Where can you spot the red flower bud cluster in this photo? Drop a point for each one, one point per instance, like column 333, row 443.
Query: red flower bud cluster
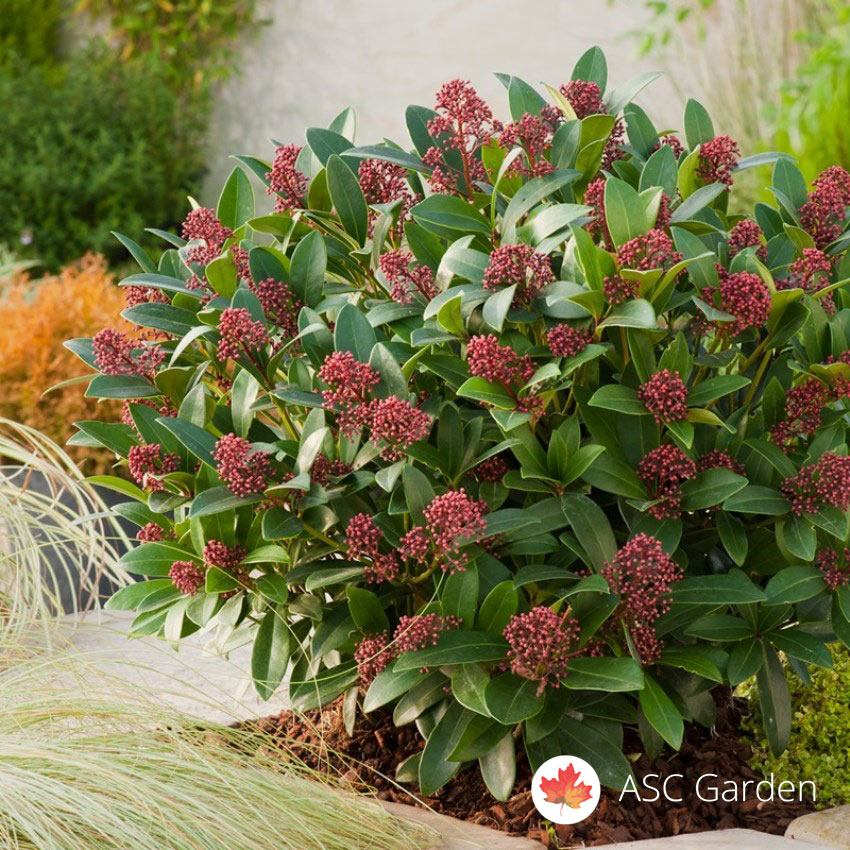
column 824, row 214
column 362, row 537
column 803, row 406
column 349, row 385
column 747, row 234
column 533, row 133
column 349, row 381
column 542, row 643
column 285, row 180
column 520, row 265
column 665, row 396
column 663, row 217
column 823, row 483
column 146, row 463
column 166, row 408
column 810, row 272
column 383, row 568
column 396, row 423
column 594, row 196
column 115, row 354
column 454, row 517
column 324, row 469
column 153, row 533
column 239, row 333
column 834, row 566
column 642, row 574
column 187, row 577
column 421, row 631
column 663, row 471
column 745, row 296
column 245, row 471
column 451, row 521
column 585, row 97
column 406, row 280
column 566, row 341
column 652, row 250
column 383, row 182
column 487, row 359
column 219, row 554
column 617, row 289
column 375, row 652
column 718, row 459
column 202, row 223
column 135, row 295
column 500, row 363
column 415, row 544
column 464, row 122
column 372, row 655
column 494, row 469
column 672, row 142
column 280, row 304
column 717, row 160
column 242, row 261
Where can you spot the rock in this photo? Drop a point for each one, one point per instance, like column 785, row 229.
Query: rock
column 829, row 828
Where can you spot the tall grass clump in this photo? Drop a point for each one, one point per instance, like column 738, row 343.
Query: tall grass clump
column 85, row 765
column 57, row 541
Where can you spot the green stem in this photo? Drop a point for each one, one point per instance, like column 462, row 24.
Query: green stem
column 314, row 532
column 757, row 379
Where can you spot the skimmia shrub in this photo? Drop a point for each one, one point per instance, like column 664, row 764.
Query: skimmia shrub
column 514, row 430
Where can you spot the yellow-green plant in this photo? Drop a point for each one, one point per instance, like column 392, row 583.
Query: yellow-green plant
column 819, row 747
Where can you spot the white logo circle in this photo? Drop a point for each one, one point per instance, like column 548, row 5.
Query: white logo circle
column 565, row 789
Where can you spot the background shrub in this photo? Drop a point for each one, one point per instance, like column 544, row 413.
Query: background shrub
column 819, row 749
column 92, row 147
column 194, row 40
column 29, row 32
column 38, row 316
column 110, row 135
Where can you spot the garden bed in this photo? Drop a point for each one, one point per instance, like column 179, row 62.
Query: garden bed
column 370, row 756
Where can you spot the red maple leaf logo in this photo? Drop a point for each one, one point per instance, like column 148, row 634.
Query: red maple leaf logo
column 565, row 789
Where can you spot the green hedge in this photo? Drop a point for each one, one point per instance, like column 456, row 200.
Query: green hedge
column 93, row 147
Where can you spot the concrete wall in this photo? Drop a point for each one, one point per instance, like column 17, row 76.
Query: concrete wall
column 316, row 57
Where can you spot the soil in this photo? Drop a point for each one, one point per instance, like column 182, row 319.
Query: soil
column 370, row 756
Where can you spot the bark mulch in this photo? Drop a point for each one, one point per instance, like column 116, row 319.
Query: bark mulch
column 369, row 757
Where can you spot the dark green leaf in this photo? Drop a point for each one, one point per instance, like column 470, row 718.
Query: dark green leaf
column 698, row 126
column 348, row 199
column 604, row 674
column 236, row 202
column 307, row 269
column 354, row 333
column 510, row 698
column 775, row 700
column 662, row 713
column 460, row 647
column 710, row 488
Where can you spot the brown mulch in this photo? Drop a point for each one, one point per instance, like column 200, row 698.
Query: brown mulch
column 377, row 746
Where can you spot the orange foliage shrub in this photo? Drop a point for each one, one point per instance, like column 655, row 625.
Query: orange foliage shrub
column 37, row 317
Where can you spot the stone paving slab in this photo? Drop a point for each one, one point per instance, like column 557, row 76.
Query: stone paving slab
column 829, row 828
column 192, row 680
column 724, row 839
column 458, row 835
